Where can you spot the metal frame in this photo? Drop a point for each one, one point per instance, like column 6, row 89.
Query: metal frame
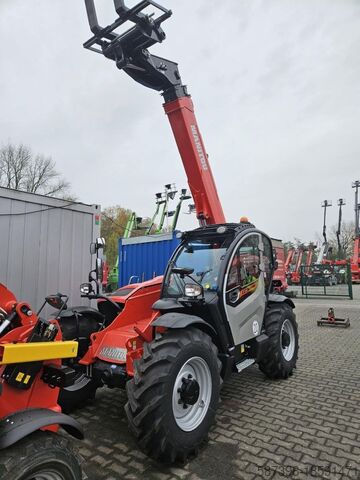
column 323, row 290
column 11, row 353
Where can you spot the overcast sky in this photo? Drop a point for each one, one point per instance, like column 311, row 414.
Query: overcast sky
column 276, row 87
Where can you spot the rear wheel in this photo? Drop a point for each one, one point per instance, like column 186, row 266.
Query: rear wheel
column 78, row 324
column 41, row 456
column 174, row 394
column 281, row 327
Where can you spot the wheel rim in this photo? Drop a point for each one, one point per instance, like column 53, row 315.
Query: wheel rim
column 287, row 337
column 46, row 475
column 192, row 394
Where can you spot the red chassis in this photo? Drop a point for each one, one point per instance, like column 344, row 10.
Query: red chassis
column 40, row 395
column 28, row 392
column 122, row 341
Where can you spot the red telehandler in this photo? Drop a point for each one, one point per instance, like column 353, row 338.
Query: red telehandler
column 279, row 281
column 293, row 272
column 355, row 261
column 171, row 342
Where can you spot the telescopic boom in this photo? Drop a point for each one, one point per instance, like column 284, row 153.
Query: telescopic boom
column 129, row 50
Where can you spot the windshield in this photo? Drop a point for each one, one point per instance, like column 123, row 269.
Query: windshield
column 204, row 256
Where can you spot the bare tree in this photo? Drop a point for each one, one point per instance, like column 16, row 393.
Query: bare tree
column 346, row 240
column 113, row 222
column 21, row 170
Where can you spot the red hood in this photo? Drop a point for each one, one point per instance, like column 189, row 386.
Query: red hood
column 7, row 299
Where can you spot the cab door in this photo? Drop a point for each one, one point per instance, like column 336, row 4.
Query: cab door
column 246, row 282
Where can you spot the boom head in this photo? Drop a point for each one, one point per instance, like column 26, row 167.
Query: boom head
column 325, row 204
column 129, row 49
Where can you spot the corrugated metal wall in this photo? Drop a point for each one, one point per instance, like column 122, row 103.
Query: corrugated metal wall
column 45, row 245
column 145, row 257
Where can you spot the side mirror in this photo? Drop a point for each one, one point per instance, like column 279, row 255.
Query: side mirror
column 182, row 271
column 56, row 301
column 86, row 288
column 99, row 269
column 97, row 245
column 100, row 243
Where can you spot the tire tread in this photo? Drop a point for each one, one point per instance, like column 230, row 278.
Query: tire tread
column 146, row 393
column 273, row 365
column 11, row 458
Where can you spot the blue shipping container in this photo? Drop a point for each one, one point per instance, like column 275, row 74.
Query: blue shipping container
column 143, row 258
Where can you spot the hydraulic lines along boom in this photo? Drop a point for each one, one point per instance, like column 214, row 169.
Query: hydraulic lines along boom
column 130, row 52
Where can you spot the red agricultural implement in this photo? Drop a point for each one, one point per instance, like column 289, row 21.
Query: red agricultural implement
column 32, row 373
column 332, row 321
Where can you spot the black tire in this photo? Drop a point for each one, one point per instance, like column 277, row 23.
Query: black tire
column 78, row 323
column 275, row 365
column 39, row 454
column 72, row 397
column 150, row 394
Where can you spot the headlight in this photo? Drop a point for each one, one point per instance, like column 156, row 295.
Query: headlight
column 192, row 290
column 85, row 288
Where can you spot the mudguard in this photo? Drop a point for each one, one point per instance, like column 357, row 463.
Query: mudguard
column 183, row 320
column 275, row 298
column 20, row 424
column 82, row 310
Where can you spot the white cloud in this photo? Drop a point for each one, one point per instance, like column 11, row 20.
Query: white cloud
column 275, row 85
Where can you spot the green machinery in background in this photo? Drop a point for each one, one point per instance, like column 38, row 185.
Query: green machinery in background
column 162, row 202
column 134, row 223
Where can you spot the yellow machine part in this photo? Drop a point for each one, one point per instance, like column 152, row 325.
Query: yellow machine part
column 36, row 352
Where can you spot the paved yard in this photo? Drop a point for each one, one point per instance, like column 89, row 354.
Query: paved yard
column 304, row 427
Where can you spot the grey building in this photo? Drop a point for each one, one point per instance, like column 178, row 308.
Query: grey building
column 45, row 245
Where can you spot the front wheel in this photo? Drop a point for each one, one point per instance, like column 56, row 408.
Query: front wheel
column 174, row 394
column 41, row 456
column 282, row 330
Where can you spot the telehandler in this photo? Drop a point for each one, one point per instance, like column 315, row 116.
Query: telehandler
column 172, row 341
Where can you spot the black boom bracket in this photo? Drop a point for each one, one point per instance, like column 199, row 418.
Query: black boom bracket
column 129, row 49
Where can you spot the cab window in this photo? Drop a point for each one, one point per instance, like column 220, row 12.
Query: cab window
column 244, row 270
column 268, row 262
